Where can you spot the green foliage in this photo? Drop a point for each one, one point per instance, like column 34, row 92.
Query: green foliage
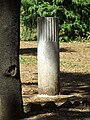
column 81, row 2
column 74, row 17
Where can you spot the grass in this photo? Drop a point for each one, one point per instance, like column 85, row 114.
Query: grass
column 75, row 57
column 28, row 60
column 64, row 63
column 74, row 76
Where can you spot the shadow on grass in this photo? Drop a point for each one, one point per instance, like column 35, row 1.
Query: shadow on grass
column 75, row 108
column 33, row 51
column 28, row 51
column 66, row 50
column 29, row 83
column 59, row 114
column 74, row 115
column 75, row 83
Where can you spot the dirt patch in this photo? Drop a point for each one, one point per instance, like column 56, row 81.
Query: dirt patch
column 74, row 79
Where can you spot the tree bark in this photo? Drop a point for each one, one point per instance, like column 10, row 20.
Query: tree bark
column 11, row 106
column 48, row 56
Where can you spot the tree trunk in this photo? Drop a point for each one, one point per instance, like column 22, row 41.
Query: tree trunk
column 11, row 106
column 48, row 56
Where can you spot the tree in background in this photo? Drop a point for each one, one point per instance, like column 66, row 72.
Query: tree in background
column 74, row 17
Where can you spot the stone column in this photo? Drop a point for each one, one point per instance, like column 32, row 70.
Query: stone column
column 11, row 106
column 48, row 55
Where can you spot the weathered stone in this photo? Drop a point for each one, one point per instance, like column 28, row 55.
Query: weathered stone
column 48, row 56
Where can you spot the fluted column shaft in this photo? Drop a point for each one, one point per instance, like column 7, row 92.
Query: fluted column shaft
column 48, row 56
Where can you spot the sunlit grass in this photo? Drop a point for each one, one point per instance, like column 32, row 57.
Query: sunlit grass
column 28, row 60
column 64, row 63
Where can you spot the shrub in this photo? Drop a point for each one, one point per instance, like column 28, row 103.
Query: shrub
column 74, row 17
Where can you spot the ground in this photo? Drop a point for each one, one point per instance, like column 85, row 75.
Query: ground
column 74, row 82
